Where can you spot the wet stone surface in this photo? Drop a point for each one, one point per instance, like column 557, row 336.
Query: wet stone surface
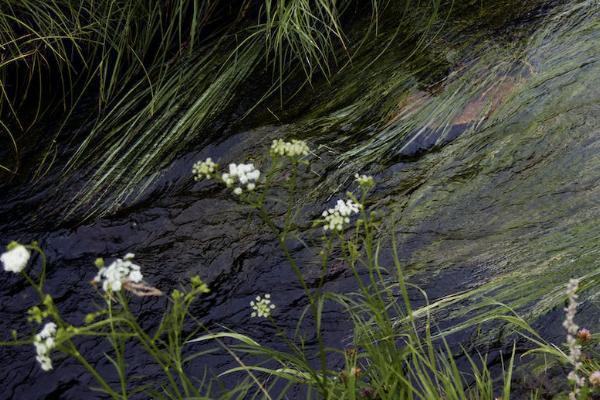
column 498, row 197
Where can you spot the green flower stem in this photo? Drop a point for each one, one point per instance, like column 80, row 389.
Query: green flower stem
column 150, row 346
column 37, row 288
column 73, row 352
column 71, row 349
column 118, row 348
column 178, row 313
column 38, row 250
column 281, row 239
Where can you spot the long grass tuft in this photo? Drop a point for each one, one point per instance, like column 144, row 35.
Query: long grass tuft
column 159, row 71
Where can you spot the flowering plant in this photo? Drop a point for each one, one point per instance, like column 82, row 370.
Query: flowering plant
column 114, row 321
column 390, row 357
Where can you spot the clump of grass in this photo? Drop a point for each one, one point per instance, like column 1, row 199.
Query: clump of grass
column 107, row 44
column 305, row 33
column 56, row 53
column 152, row 136
column 161, row 72
column 186, row 99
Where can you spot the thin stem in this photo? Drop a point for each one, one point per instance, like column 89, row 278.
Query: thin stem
column 117, row 346
column 75, row 354
column 149, row 345
column 281, row 239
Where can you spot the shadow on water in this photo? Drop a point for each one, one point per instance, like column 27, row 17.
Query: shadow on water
column 491, row 180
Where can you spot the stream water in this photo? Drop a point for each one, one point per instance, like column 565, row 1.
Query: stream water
column 491, row 185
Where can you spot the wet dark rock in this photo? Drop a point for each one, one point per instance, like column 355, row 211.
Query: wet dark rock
column 502, row 201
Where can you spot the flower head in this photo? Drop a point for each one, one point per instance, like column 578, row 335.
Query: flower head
column 337, row 217
column 365, row 181
column 240, row 176
column 119, row 272
column 44, row 342
column 595, row 378
column 262, row 306
column 15, row 258
column 204, row 169
column 584, row 335
column 295, row 148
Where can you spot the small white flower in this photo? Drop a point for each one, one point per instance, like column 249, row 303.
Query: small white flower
column 49, row 330
column 16, row 258
column 243, row 174
column 136, row 276
column 295, row 148
column 119, row 272
column 365, row 181
column 45, row 363
column 337, row 217
column 262, row 306
column 204, row 169
column 44, row 342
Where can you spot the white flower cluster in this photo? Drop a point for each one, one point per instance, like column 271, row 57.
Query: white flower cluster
column 295, row 148
column 241, row 175
column 44, row 343
column 16, row 258
column 119, row 272
column 204, row 169
column 572, row 329
column 262, row 306
column 337, row 217
column 364, row 180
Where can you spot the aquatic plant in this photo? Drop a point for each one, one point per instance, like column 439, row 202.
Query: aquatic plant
column 443, row 195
